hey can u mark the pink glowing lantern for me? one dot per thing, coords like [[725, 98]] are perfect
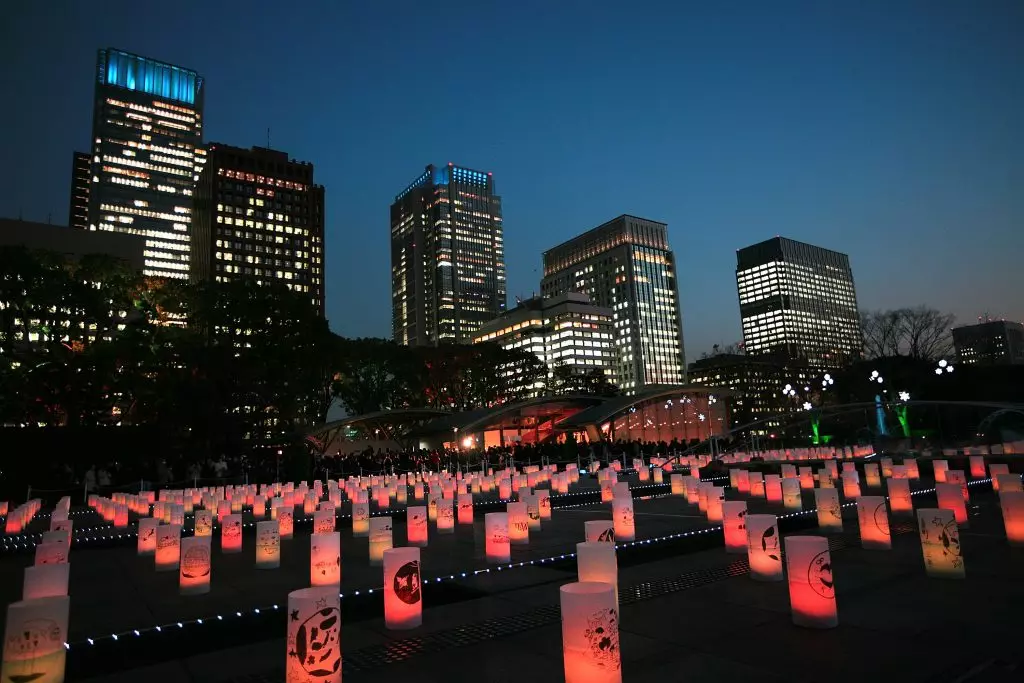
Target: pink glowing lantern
[[939, 468], [168, 547], [147, 536], [791, 499], [773, 488], [496, 537], [734, 515], [900, 500], [325, 559], [764, 551], [465, 503], [994, 470], [268, 545], [403, 589], [873, 518], [231, 534], [949, 496], [977, 463], [1006, 482], [194, 572], [445, 516], [715, 497], [812, 596], [622, 516], [1012, 505], [590, 633], [957, 477]]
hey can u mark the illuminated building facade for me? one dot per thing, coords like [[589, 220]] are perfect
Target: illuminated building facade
[[146, 155], [797, 301], [755, 382], [993, 342], [259, 216], [78, 207], [447, 257], [626, 265], [566, 330]]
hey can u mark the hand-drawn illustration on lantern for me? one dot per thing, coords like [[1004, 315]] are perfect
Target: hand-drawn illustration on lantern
[[518, 524], [830, 514], [323, 522], [496, 542], [900, 501], [147, 536], [286, 523], [34, 637], [590, 633], [325, 559], [812, 595], [873, 520], [313, 642], [940, 543], [764, 552], [600, 530], [380, 539], [194, 572], [622, 516], [465, 502], [949, 497], [268, 545], [445, 516], [231, 534], [360, 519], [168, 547], [203, 523], [403, 593], [734, 516]]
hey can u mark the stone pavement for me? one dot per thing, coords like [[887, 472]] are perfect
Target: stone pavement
[[698, 617]]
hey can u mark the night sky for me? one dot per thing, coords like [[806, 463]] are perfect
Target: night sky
[[890, 130]]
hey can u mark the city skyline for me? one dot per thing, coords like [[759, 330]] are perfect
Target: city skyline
[[871, 151]]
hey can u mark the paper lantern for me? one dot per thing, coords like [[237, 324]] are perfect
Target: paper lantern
[[939, 468], [659, 476], [544, 500], [773, 488], [886, 467], [871, 476], [601, 530], [34, 638], [949, 497], [756, 484], [231, 534], [957, 477], [692, 486], [743, 481], [121, 517], [194, 573], [286, 522], [1006, 482], [313, 643], [223, 510], [791, 498], [496, 541], [1012, 505], [533, 512], [505, 489], [465, 503], [403, 593], [677, 485], [147, 536], [900, 500], [940, 543], [51, 553], [46, 581], [177, 515], [590, 633], [873, 519], [360, 519], [812, 596], [622, 516], [445, 516], [325, 559], [899, 472], [702, 495], [977, 463], [168, 547], [913, 472], [518, 524], [268, 545], [380, 539], [596, 562], [851, 485], [323, 522], [994, 470], [203, 523], [416, 525], [734, 514], [764, 552], [806, 478], [716, 496]]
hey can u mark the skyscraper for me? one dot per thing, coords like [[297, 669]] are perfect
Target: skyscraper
[[78, 208], [146, 155], [797, 301], [626, 265], [991, 342], [447, 257], [259, 216]]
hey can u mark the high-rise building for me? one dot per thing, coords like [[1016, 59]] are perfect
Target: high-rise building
[[797, 302], [447, 257], [259, 216], [626, 265], [993, 342], [566, 330], [78, 208], [756, 381], [146, 155]]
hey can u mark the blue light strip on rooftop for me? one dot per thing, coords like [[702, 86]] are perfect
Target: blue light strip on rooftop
[[146, 75]]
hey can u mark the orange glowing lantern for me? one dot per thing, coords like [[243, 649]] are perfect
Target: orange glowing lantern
[[323, 521], [596, 561], [465, 503], [743, 481], [505, 489], [756, 484], [957, 477], [1012, 505], [168, 547], [380, 539], [940, 543], [678, 489], [223, 510], [403, 593], [496, 540], [702, 495], [886, 464], [994, 470], [203, 523], [900, 501], [977, 466], [590, 633], [622, 516], [533, 511], [599, 530], [259, 507], [544, 501], [313, 640], [734, 515], [659, 476], [912, 470], [1006, 482], [851, 485], [433, 500], [806, 478], [34, 637], [518, 524], [268, 545], [325, 559], [873, 519], [416, 525], [773, 488], [46, 581], [715, 497], [899, 472], [194, 574], [360, 519], [871, 476], [231, 534], [445, 516], [812, 595], [940, 467], [950, 497], [764, 551], [286, 522], [791, 498], [121, 517], [147, 536]]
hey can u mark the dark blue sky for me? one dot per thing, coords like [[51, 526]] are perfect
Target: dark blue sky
[[889, 130]]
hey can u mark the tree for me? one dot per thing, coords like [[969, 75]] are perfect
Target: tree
[[919, 332], [372, 375]]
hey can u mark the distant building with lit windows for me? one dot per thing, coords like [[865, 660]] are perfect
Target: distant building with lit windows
[[798, 302], [78, 207], [259, 216], [447, 257], [626, 265], [146, 155], [756, 381], [566, 330], [993, 342]]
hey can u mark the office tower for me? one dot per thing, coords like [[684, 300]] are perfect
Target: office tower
[[447, 257], [626, 265], [78, 208], [146, 150], [798, 302], [756, 381], [565, 330], [259, 216], [992, 342]]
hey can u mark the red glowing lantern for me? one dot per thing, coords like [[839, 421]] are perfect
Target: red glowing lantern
[[496, 537], [812, 594], [734, 514], [403, 593], [764, 551], [873, 518]]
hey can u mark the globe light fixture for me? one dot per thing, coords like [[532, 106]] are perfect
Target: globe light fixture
[[807, 405], [904, 396]]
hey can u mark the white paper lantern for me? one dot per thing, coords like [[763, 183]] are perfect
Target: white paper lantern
[[313, 643], [34, 638]]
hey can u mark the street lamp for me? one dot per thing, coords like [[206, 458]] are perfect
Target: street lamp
[[944, 366], [875, 377]]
